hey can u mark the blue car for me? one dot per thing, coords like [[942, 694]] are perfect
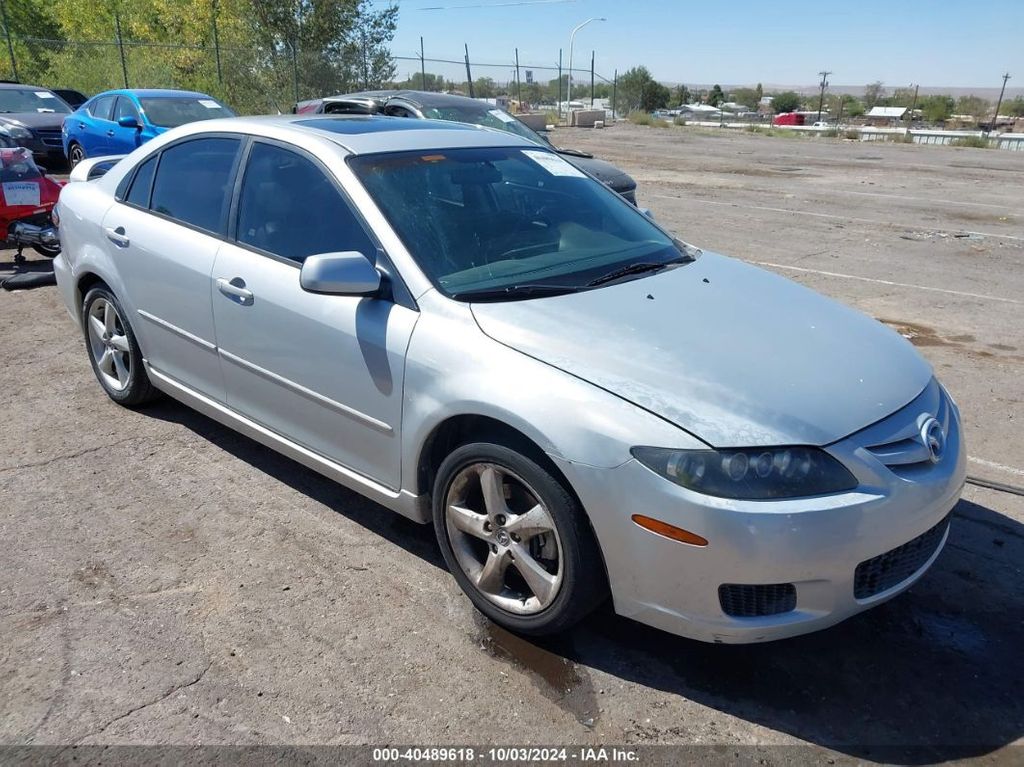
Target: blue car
[[116, 122]]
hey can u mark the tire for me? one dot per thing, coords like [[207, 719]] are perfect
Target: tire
[[113, 349], [75, 154], [490, 546], [45, 251]]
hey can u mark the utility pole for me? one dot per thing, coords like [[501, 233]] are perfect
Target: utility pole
[[592, 79], [559, 85], [913, 106], [999, 103], [469, 75], [120, 46], [10, 43], [821, 98], [216, 44], [615, 88], [423, 67], [519, 85]]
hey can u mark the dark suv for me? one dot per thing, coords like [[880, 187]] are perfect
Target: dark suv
[[447, 106], [31, 117]]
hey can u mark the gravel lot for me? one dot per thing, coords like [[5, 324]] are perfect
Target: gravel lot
[[167, 581]]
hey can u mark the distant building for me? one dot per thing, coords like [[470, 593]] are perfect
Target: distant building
[[884, 117]]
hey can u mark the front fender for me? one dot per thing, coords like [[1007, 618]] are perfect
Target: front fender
[[454, 369]]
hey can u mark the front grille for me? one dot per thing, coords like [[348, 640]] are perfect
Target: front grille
[[897, 441], [50, 137], [750, 601], [878, 574]]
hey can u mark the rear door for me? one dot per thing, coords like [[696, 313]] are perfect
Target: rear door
[[92, 132], [326, 371], [164, 236], [124, 140]]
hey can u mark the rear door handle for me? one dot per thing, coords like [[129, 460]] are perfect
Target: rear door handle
[[117, 236], [110, 133], [235, 290]]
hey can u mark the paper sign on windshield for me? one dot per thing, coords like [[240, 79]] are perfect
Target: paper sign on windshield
[[505, 117], [21, 193], [209, 103], [554, 164], [44, 94]]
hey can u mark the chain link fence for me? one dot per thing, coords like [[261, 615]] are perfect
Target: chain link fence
[[258, 80]]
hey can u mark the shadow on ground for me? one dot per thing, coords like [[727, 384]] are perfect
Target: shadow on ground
[[934, 674]]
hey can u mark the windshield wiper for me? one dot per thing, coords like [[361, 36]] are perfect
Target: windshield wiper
[[514, 291], [636, 268]]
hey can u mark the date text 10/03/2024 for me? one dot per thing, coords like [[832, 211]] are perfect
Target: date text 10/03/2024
[[504, 754]]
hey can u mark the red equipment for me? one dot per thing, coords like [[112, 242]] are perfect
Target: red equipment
[[27, 198]]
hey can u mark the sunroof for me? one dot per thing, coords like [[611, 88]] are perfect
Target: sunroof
[[352, 125]]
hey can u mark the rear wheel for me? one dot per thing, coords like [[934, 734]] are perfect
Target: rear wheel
[[113, 350], [516, 540], [75, 154]]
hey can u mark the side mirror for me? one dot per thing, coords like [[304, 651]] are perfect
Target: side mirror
[[128, 122], [345, 274]]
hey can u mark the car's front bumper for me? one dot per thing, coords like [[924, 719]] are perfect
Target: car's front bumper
[[815, 544]]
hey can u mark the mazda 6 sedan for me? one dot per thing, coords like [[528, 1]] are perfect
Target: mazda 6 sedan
[[471, 331]]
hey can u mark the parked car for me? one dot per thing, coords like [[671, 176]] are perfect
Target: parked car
[[116, 122], [469, 330], [71, 97], [445, 106], [31, 117]]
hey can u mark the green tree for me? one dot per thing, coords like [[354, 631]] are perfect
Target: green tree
[[422, 82], [1014, 107], [787, 101], [680, 96], [975, 106], [748, 97], [639, 91], [760, 93], [936, 109], [716, 96], [873, 94]]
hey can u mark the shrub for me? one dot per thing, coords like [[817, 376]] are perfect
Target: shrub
[[852, 133], [643, 118], [974, 142]]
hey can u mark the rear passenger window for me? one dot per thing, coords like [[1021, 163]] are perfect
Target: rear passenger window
[[289, 207], [138, 194], [101, 107], [192, 183]]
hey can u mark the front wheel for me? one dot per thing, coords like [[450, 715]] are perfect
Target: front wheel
[[113, 349], [516, 540]]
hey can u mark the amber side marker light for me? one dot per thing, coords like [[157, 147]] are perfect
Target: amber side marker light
[[669, 531]]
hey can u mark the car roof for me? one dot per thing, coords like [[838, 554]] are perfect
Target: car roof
[[22, 87], [364, 134], [159, 93], [418, 98]]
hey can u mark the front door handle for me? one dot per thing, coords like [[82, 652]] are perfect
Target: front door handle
[[117, 236], [235, 290], [110, 133]]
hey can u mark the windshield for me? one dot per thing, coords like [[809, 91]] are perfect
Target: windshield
[[28, 100], [489, 118], [170, 112], [17, 165], [481, 221]]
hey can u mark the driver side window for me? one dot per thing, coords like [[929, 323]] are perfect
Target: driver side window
[[289, 207]]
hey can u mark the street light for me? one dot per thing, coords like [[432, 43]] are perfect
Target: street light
[[572, 38]]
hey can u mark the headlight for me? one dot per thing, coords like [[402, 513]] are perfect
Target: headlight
[[750, 473], [15, 131]]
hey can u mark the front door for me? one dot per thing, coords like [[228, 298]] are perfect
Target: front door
[[325, 371]]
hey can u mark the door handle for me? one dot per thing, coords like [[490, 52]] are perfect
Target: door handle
[[235, 290], [110, 133], [117, 236]]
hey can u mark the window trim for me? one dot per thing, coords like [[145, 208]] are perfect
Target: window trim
[[154, 158], [131, 103]]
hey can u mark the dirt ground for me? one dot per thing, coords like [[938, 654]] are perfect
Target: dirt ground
[[165, 580]]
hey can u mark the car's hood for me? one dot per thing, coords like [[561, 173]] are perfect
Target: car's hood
[[604, 172], [735, 355], [34, 119]]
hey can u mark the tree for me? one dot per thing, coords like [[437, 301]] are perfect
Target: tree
[[760, 93], [873, 94], [748, 97], [639, 91], [486, 88], [716, 96], [936, 109], [787, 101], [1014, 107], [975, 106], [681, 96]]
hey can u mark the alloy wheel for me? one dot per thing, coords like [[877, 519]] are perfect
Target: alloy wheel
[[108, 344], [504, 538]]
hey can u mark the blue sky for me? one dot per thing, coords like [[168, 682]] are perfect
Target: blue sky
[[930, 42]]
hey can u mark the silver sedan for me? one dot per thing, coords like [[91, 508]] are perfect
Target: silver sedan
[[469, 330]]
